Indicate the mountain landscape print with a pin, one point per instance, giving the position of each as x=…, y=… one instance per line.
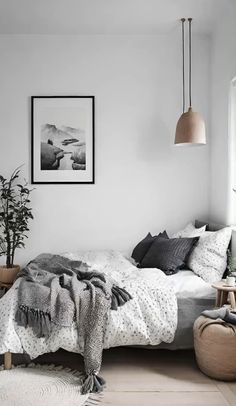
x=62, y=139
x=62, y=148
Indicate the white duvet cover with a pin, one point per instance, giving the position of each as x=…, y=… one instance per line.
x=148, y=319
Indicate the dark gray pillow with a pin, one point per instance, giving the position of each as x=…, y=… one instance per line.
x=169, y=255
x=143, y=246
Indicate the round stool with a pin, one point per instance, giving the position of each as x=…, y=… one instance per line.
x=215, y=348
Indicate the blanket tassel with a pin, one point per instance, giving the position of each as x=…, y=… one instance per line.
x=35, y=318
x=119, y=297
x=92, y=383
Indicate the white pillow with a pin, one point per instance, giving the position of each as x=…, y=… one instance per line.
x=189, y=231
x=209, y=257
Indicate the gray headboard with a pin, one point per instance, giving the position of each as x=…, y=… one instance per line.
x=209, y=225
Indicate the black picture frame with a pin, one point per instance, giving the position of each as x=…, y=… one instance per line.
x=35, y=133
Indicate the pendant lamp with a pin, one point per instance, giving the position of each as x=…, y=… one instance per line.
x=190, y=129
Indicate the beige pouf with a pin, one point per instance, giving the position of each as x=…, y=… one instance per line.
x=215, y=348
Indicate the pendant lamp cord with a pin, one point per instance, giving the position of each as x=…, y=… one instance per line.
x=190, y=60
x=183, y=21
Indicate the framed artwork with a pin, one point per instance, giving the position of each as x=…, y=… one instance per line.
x=62, y=139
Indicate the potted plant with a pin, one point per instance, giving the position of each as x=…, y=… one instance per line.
x=15, y=214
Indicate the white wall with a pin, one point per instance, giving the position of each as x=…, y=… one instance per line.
x=143, y=182
x=232, y=154
x=223, y=70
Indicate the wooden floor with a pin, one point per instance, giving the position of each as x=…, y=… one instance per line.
x=138, y=377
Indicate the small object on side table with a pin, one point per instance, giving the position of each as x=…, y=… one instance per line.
x=225, y=292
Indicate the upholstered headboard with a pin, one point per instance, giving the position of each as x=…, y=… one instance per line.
x=209, y=225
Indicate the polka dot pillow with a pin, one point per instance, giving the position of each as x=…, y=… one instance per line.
x=209, y=257
x=189, y=232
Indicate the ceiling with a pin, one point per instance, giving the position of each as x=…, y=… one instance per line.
x=107, y=16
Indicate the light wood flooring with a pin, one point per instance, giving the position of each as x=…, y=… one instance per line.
x=140, y=377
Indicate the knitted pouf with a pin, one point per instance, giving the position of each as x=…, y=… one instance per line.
x=215, y=348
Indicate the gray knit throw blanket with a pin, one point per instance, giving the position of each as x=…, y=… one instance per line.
x=54, y=290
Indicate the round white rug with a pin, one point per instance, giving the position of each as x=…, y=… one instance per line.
x=42, y=385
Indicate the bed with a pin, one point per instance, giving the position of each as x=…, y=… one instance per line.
x=160, y=315
x=133, y=324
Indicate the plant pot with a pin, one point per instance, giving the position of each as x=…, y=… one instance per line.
x=8, y=275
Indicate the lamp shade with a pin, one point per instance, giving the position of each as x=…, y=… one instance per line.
x=190, y=129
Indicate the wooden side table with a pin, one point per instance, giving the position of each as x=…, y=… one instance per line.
x=225, y=294
x=5, y=285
